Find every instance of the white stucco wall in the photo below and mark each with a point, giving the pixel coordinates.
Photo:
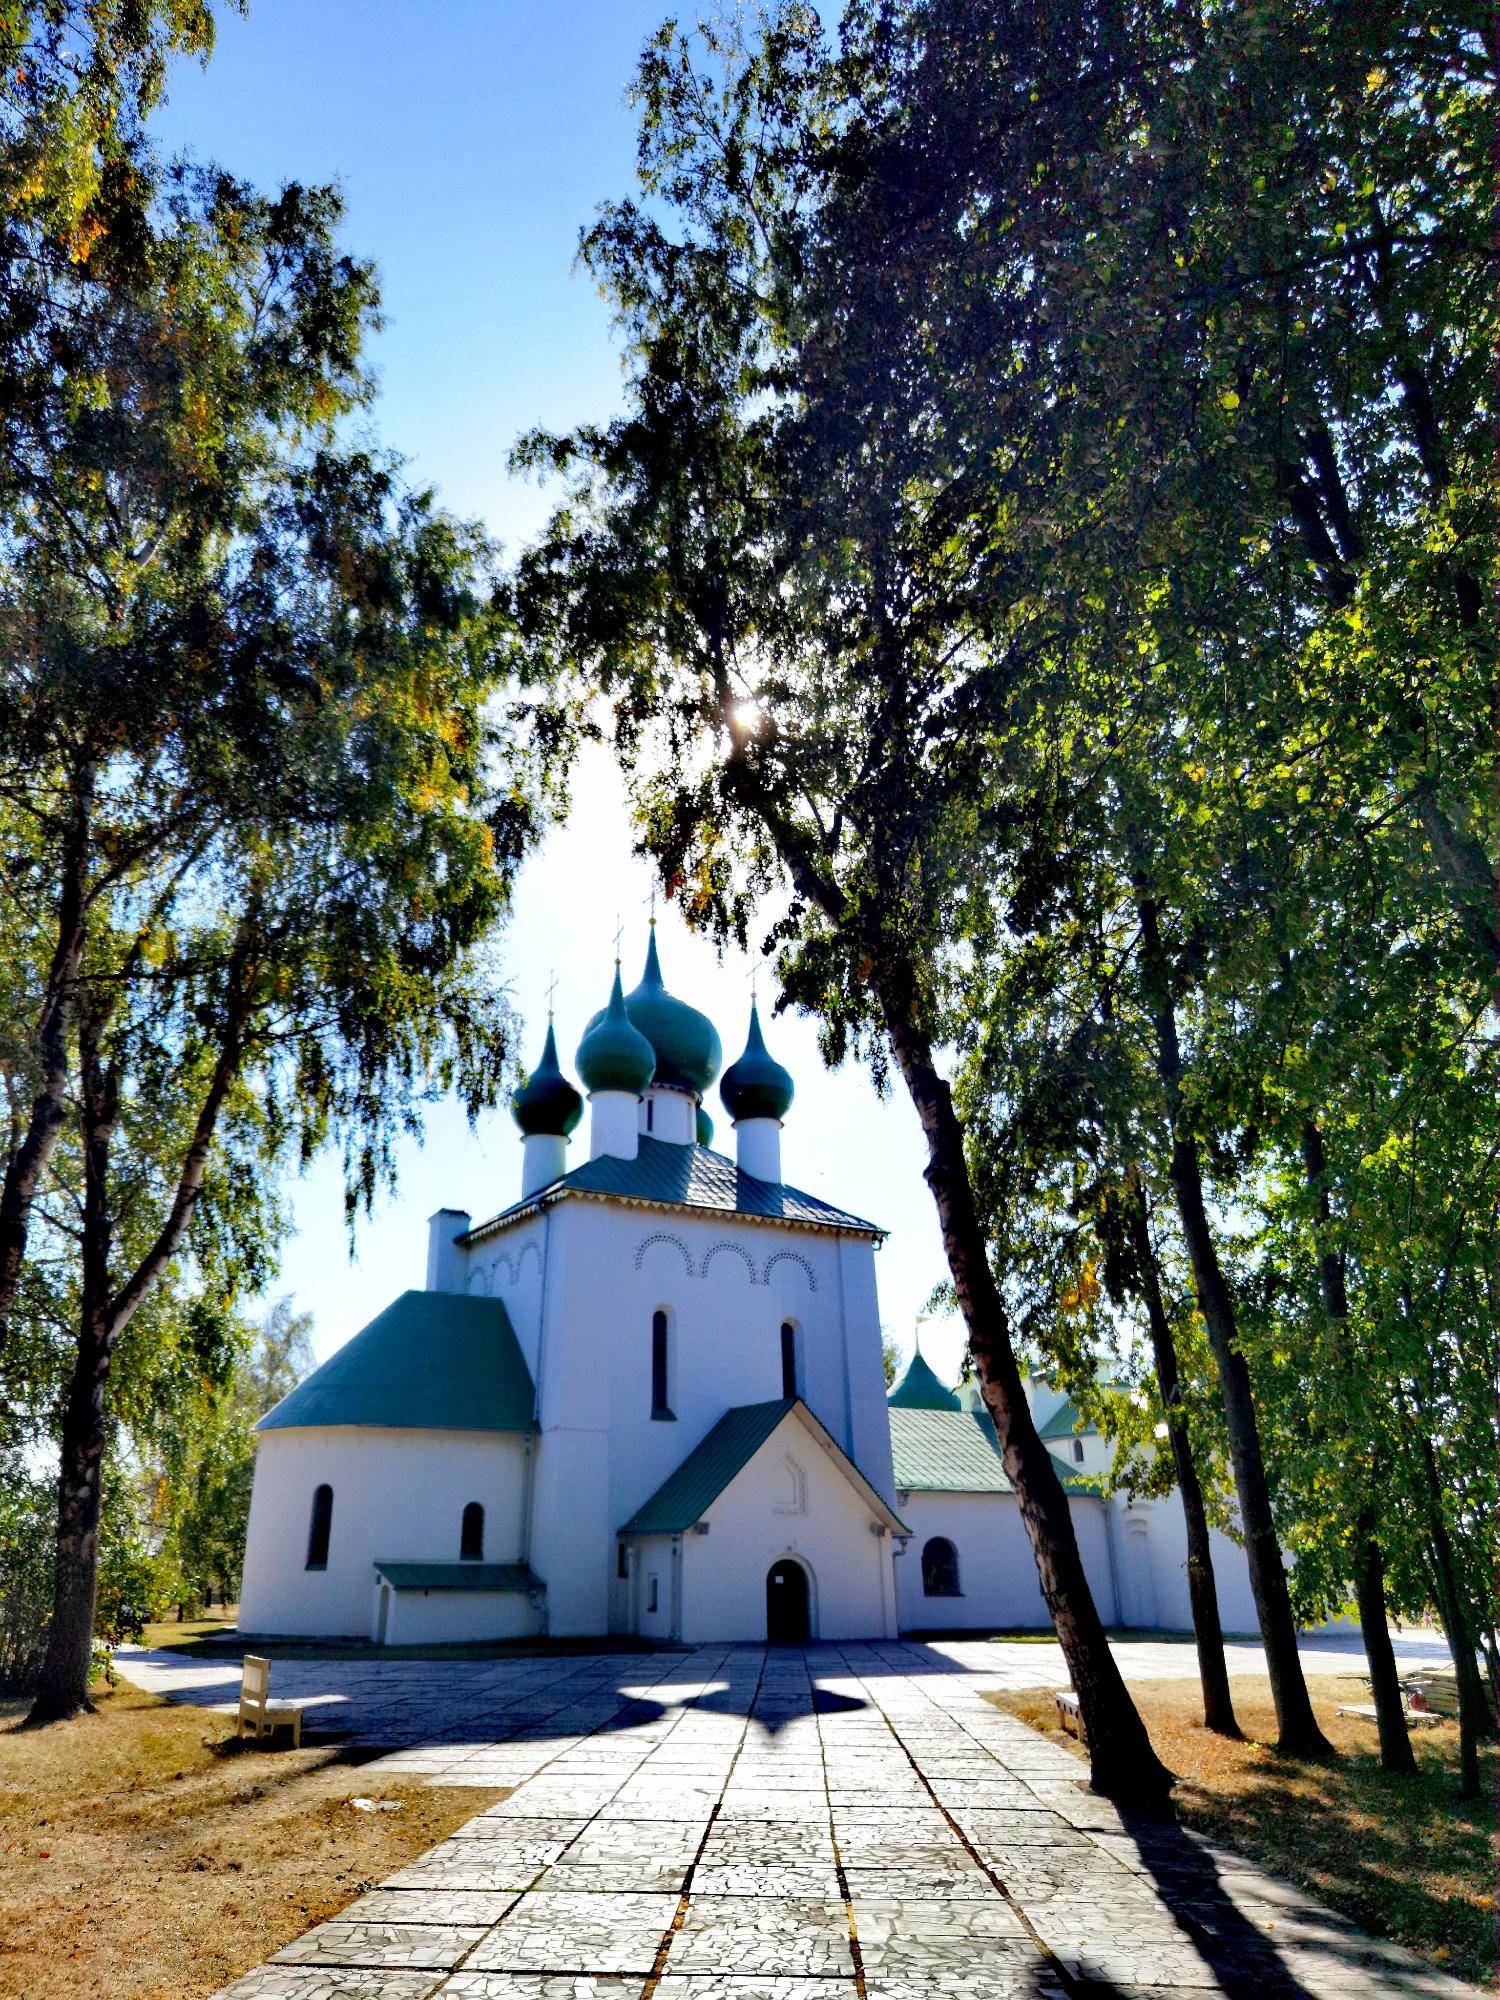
(454, 1617)
(790, 1500)
(1151, 1559)
(397, 1495)
(582, 1283)
(653, 1560)
(1134, 1555)
(996, 1569)
(509, 1267)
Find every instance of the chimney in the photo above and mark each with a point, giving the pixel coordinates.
(446, 1263)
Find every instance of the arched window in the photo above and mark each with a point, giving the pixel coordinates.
(1078, 1451)
(659, 1405)
(471, 1535)
(940, 1568)
(788, 1358)
(319, 1528)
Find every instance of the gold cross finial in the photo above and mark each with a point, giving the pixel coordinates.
(619, 933)
(551, 991)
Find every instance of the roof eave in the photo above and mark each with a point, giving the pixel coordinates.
(545, 1197)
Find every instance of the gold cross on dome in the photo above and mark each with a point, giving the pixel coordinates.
(551, 991)
(619, 933)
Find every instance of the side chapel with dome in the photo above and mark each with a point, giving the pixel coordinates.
(648, 1398)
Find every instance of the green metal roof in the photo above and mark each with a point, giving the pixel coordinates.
(957, 1451)
(728, 1448)
(509, 1578)
(946, 1451)
(920, 1389)
(687, 1494)
(1064, 1422)
(685, 1177)
(430, 1361)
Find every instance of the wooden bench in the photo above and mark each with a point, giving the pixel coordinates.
(1068, 1715)
(1366, 1711)
(257, 1708)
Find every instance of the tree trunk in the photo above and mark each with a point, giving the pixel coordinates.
(1369, 1565)
(1298, 1731)
(1123, 1764)
(63, 1689)
(1203, 1596)
(1475, 1717)
(29, 1160)
(1492, 1670)
(1369, 1589)
(104, 1315)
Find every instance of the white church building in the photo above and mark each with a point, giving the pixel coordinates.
(648, 1398)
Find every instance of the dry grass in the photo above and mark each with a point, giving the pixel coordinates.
(1405, 1857)
(144, 1855)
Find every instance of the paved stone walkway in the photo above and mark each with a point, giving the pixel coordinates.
(743, 1824)
(477, 1703)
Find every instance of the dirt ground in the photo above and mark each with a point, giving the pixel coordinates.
(1405, 1857)
(144, 1855)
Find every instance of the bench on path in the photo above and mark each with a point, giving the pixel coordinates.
(1068, 1715)
(257, 1708)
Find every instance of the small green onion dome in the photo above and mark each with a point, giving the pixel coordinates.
(756, 1086)
(705, 1128)
(683, 1041)
(546, 1101)
(920, 1389)
(613, 1055)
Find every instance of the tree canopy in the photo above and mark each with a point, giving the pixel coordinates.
(1046, 563)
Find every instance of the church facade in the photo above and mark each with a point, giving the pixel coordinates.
(648, 1398)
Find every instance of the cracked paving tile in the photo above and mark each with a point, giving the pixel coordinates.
(429, 1906)
(316, 1982)
(414, 1946)
(793, 1935)
(577, 1933)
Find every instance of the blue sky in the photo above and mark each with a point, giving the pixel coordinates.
(472, 139)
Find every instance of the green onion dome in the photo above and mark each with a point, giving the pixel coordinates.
(546, 1101)
(756, 1086)
(920, 1389)
(683, 1041)
(705, 1128)
(613, 1055)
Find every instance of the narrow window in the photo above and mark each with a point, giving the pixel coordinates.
(471, 1535)
(320, 1528)
(651, 1596)
(622, 1562)
(650, 1109)
(940, 1568)
(659, 1406)
(788, 1359)
(1078, 1451)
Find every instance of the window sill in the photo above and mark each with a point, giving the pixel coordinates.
(663, 1416)
(316, 1566)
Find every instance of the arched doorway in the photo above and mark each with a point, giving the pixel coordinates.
(786, 1604)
